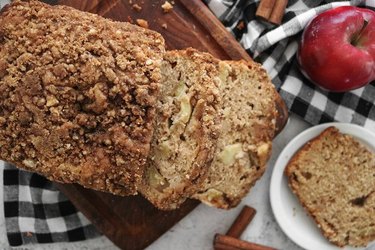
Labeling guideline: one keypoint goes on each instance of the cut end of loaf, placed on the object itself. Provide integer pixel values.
(186, 128)
(333, 176)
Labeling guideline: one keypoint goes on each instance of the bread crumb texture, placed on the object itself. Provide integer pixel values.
(77, 95)
(247, 128)
(333, 176)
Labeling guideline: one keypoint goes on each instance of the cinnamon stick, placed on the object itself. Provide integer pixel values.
(278, 12)
(224, 242)
(220, 246)
(265, 8)
(243, 219)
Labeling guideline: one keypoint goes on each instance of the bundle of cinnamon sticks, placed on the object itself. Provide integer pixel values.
(271, 11)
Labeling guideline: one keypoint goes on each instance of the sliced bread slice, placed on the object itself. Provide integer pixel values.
(333, 176)
(248, 115)
(186, 129)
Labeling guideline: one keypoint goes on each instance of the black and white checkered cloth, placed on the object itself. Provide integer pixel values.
(275, 48)
(36, 212)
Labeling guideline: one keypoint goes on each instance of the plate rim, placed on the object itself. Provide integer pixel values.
(291, 148)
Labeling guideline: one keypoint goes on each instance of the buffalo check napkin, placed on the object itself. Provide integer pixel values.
(36, 212)
(276, 47)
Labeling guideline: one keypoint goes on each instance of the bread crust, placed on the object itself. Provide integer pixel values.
(298, 177)
(78, 95)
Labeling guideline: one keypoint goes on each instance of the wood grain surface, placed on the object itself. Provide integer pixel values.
(132, 222)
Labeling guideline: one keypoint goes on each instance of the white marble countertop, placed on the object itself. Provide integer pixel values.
(196, 230)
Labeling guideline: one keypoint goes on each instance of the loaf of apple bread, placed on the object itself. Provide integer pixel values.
(80, 103)
(77, 95)
(247, 128)
(186, 129)
(333, 177)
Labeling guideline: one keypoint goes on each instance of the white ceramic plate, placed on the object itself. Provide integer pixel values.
(290, 215)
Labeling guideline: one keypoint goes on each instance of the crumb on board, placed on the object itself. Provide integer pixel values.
(167, 7)
(241, 25)
(130, 1)
(136, 7)
(143, 23)
(130, 19)
(164, 25)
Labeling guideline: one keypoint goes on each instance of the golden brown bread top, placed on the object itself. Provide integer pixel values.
(77, 95)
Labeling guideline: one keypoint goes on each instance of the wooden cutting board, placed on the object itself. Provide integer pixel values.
(132, 222)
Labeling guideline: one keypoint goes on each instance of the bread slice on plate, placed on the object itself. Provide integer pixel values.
(333, 177)
(186, 128)
(247, 128)
(77, 95)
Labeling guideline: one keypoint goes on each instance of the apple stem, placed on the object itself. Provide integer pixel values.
(357, 36)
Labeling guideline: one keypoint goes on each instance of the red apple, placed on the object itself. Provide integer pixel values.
(337, 50)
